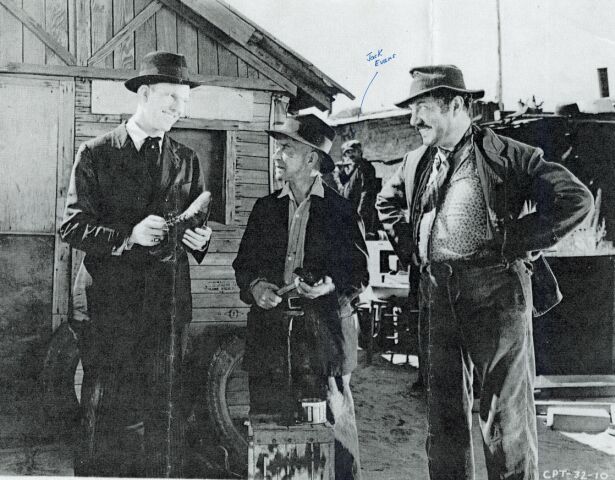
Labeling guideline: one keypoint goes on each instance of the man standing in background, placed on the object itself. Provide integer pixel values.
(357, 183)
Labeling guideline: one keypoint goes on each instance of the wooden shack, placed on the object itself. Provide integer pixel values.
(62, 67)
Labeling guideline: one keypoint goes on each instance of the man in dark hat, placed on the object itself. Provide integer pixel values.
(470, 235)
(357, 178)
(303, 225)
(123, 186)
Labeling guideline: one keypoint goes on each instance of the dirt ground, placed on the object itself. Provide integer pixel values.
(392, 431)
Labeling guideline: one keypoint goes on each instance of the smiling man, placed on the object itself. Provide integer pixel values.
(123, 186)
(471, 237)
(305, 225)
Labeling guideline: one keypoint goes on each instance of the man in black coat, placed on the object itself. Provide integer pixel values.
(305, 224)
(123, 186)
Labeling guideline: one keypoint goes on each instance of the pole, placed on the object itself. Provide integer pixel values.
(500, 95)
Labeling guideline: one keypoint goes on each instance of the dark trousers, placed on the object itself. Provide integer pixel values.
(130, 402)
(479, 318)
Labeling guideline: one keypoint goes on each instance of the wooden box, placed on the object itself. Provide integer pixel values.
(297, 452)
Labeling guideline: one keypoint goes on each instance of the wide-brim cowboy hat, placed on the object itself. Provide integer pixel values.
(161, 67)
(434, 77)
(307, 129)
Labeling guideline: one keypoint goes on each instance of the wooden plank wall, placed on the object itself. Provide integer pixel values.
(84, 26)
(215, 293)
(20, 45)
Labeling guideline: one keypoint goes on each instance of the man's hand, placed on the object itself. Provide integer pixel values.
(149, 231)
(197, 239)
(324, 286)
(265, 296)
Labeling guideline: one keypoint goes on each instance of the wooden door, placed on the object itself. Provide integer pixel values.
(36, 136)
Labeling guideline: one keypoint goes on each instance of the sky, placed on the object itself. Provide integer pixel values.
(550, 48)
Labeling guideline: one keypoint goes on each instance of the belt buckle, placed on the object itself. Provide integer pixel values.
(293, 303)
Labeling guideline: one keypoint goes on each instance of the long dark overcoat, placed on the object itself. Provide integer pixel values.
(109, 194)
(134, 305)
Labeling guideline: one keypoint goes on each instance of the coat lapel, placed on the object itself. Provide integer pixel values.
(491, 166)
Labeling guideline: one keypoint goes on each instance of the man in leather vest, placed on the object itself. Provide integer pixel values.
(479, 207)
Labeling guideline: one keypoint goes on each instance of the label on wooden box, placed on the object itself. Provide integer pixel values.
(297, 452)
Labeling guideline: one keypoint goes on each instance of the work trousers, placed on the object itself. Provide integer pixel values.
(479, 318)
(130, 402)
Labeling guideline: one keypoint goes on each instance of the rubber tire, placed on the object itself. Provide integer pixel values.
(229, 355)
(59, 402)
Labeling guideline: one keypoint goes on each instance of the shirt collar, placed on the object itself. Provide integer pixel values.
(316, 189)
(138, 135)
(467, 137)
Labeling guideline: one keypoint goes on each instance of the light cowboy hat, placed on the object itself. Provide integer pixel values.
(309, 130)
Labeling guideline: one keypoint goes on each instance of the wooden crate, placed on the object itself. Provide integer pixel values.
(297, 452)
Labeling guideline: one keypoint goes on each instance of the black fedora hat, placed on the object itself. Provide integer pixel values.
(307, 129)
(161, 67)
(433, 77)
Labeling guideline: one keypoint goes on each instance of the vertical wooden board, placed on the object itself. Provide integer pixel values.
(242, 68)
(187, 44)
(61, 264)
(208, 55)
(227, 62)
(166, 31)
(10, 37)
(56, 24)
(84, 38)
(33, 48)
(275, 100)
(124, 53)
(72, 27)
(27, 194)
(145, 35)
(229, 176)
(102, 28)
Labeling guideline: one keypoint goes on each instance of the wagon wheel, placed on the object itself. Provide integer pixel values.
(228, 399)
(61, 380)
